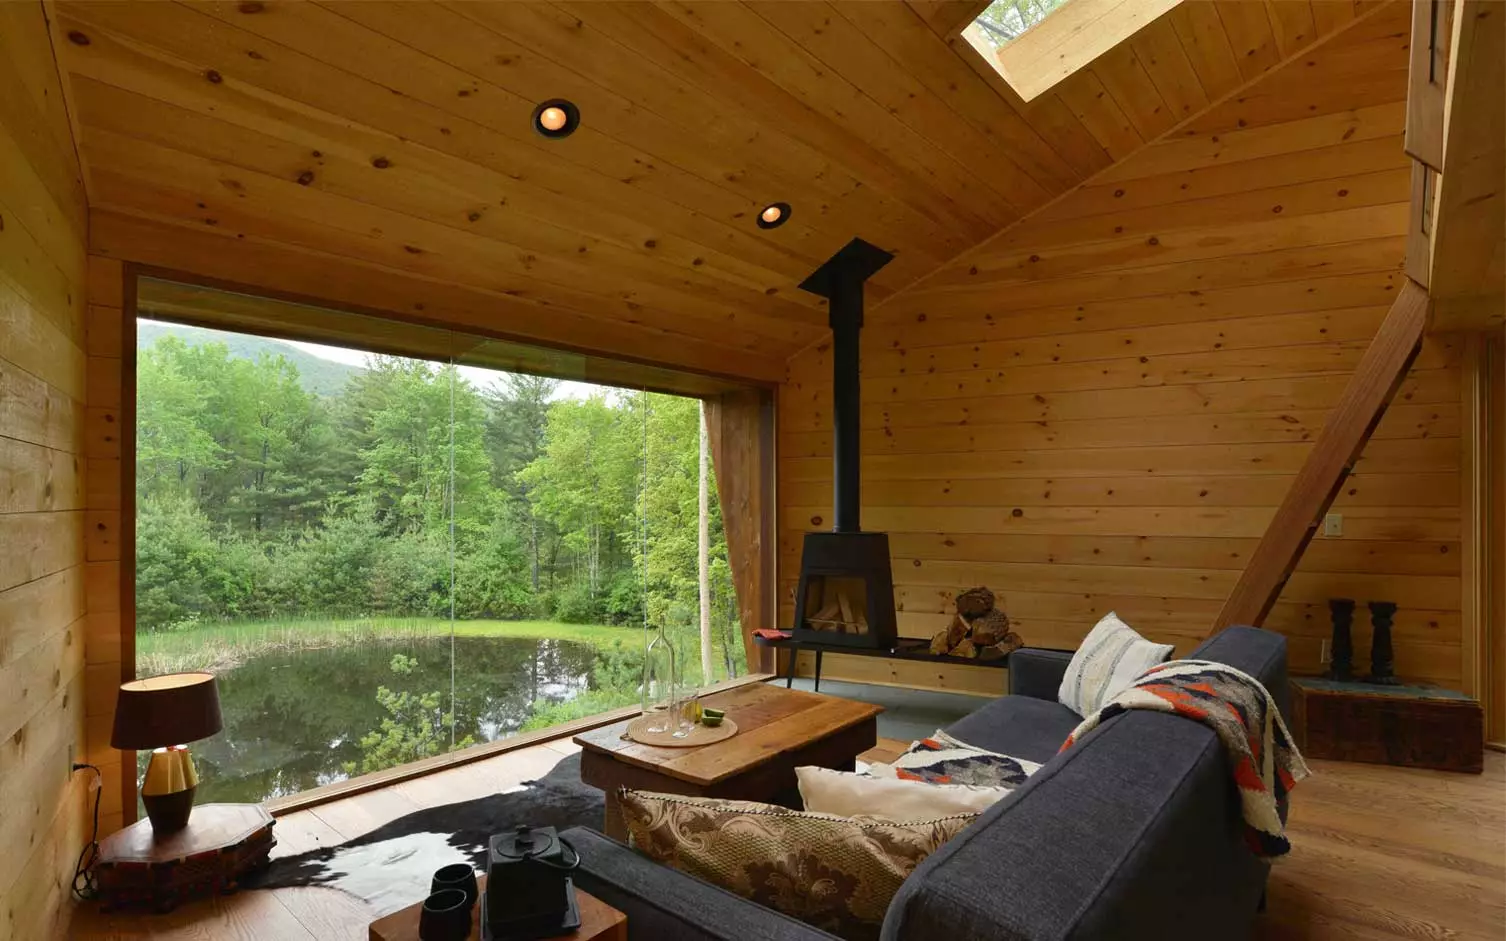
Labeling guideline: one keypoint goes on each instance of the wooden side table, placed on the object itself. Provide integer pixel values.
(221, 843)
(598, 921)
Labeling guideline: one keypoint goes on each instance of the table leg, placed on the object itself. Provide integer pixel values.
(612, 824)
(819, 652)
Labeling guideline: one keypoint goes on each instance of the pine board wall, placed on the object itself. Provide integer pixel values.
(1102, 407)
(43, 388)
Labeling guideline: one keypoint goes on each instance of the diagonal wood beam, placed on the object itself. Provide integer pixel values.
(1339, 444)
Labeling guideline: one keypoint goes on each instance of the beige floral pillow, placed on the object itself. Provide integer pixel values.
(836, 873)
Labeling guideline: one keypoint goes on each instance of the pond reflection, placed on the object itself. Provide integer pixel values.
(294, 719)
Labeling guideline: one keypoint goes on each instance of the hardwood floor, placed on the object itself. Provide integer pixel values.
(1378, 853)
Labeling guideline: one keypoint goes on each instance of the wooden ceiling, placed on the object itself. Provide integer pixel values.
(379, 155)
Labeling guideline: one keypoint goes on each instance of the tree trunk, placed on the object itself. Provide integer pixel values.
(533, 547)
(703, 556)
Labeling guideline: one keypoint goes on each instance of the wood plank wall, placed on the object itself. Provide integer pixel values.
(108, 533)
(42, 419)
(1101, 408)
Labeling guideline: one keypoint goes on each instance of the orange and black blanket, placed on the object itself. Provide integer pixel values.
(1240, 710)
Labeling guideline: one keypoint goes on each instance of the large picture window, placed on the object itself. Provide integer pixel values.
(387, 558)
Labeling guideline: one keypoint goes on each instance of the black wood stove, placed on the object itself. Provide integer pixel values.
(846, 591)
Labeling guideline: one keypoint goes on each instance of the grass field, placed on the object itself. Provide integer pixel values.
(220, 646)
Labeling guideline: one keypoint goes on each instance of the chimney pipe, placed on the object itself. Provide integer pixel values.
(840, 280)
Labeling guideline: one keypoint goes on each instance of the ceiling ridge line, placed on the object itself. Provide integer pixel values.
(1175, 129)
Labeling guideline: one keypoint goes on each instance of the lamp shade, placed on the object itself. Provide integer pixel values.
(160, 711)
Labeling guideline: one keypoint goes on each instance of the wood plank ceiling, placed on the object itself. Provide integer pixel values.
(291, 141)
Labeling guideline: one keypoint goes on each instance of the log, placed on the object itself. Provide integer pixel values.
(956, 631)
(975, 602)
(990, 628)
(1010, 643)
(939, 645)
(846, 606)
(966, 649)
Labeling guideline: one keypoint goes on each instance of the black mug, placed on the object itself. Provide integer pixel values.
(456, 876)
(445, 917)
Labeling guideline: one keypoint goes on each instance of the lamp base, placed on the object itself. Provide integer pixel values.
(169, 812)
(168, 789)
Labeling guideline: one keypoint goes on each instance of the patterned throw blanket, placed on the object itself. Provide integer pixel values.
(1240, 710)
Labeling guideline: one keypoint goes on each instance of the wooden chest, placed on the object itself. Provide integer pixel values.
(1413, 726)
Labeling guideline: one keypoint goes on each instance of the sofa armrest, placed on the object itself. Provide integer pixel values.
(1137, 820)
(1037, 672)
(1260, 653)
(664, 904)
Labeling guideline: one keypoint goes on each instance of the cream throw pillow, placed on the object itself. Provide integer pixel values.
(846, 794)
(1111, 658)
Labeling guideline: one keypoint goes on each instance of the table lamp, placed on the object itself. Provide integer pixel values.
(162, 714)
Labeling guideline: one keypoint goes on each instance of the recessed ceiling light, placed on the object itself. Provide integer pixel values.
(773, 215)
(556, 118)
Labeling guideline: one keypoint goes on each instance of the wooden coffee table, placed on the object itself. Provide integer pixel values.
(598, 921)
(777, 730)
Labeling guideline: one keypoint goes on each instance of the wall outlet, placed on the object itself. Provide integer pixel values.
(1333, 525)
(1325, 654)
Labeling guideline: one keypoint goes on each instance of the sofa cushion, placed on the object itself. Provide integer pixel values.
(666, 905)
(835, 873)
(1028, 728)
(845, 794)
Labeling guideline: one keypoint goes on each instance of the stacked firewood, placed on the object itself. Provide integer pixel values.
(978, 631)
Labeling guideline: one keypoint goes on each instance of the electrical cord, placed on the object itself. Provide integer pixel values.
(84, 886)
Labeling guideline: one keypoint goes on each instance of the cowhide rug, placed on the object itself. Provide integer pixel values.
(390, 867)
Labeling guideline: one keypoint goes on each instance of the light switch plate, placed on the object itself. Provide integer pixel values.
(1333, 525)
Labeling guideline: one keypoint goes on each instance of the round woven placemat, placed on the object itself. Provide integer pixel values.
(699, 734)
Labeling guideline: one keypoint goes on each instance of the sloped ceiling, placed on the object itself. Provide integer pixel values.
(379, 155)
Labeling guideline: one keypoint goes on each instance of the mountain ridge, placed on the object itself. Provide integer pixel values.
(320, 376)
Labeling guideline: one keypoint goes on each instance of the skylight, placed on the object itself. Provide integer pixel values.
(1035, 44)
(1003, 21)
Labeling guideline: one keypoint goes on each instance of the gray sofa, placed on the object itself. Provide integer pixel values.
(1134, 833)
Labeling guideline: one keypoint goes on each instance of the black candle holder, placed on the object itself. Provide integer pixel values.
(1382, 655)
(1341, 611)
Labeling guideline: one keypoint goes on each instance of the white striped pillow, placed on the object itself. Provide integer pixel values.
(1111, 657)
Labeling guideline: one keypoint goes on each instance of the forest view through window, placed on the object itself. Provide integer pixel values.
(385, 558)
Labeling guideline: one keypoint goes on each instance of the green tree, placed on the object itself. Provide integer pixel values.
(415, 726)
(584, 482)
(186, 567)
(173, 444)
(425, 457)
(515, 434)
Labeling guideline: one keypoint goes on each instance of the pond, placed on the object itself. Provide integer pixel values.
(294, 719)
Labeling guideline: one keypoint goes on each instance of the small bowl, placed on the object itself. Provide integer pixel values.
(711, 721)
(445, 917)
(456, 876)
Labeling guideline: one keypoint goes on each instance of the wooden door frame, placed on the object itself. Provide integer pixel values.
(1483, 536)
